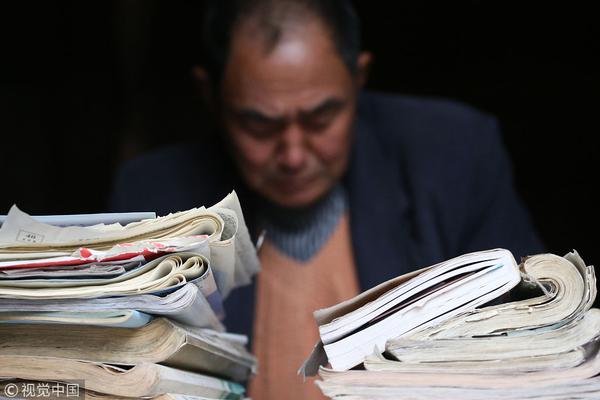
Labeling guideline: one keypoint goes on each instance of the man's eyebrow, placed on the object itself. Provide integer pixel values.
(326, 105)
(250, 113)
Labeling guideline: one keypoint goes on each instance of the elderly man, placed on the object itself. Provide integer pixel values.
(352, 187)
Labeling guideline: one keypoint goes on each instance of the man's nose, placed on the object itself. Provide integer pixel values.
(292, 152)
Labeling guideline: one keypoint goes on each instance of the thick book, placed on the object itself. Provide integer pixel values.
(519, 352)
(160, 341)
(27, 390)
(354, 329)
(589, 368)
(547, 388)
(141, 380)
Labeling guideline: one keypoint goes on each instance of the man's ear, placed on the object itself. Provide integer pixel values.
(363, 65)
(204, 84)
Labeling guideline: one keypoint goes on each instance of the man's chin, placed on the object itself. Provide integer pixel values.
(296, 199)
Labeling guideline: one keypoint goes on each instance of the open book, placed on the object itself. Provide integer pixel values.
(558, 289)
(552, 327)
(352, 330)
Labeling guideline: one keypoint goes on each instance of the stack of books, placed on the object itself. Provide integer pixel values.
(110, 310)
(432, 334)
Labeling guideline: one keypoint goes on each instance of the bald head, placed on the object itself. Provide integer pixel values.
(269, 20)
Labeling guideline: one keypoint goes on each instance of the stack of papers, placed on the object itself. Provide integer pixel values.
(129, 310)
(542, 345)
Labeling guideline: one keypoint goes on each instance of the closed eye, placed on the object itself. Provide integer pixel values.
(257, 124)
(319, 118)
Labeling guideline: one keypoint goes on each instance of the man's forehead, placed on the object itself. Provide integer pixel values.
(308, 109)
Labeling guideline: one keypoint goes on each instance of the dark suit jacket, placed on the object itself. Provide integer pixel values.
(428, 180)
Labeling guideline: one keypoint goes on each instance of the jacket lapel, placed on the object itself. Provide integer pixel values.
(378, 204)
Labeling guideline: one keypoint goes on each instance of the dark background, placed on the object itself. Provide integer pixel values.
(86, 85)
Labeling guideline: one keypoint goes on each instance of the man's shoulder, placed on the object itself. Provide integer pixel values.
(178, 156)
(165, 166)
(420, 105)
(413, 117)
(420, 128)
(440, 146)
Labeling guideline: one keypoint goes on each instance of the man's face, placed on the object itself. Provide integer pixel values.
(289, 113)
